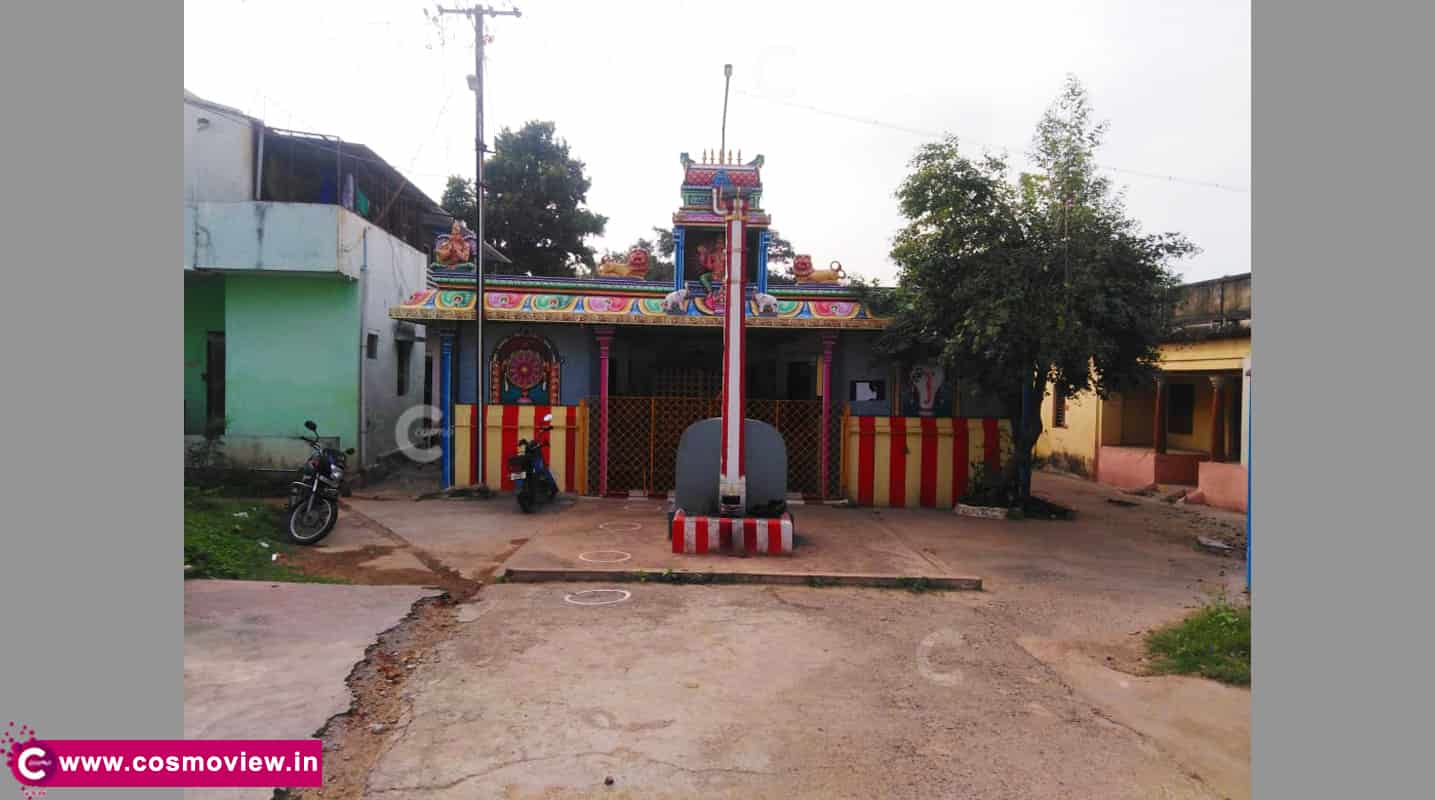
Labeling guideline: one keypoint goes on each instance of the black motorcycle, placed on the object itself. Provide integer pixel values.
(314, 498)
(530, 475)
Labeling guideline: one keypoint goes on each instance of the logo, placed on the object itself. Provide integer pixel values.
(30, 760)
(414, 436)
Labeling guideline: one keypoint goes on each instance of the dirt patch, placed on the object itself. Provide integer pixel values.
(348, 566)
(382, 698)
(1123, 655)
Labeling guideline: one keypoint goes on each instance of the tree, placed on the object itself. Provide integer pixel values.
(534, 211)
(779, 251)
(1014, 286)
(458, 200)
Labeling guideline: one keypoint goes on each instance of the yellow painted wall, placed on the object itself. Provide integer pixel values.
(1076, 441)
(496, 461)
(1138, 418)
(1209, 355)
(1128, 418)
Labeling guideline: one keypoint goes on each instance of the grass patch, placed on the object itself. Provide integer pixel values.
(236, 539)
(1214, 642)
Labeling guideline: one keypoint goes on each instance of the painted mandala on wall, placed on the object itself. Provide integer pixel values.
(524, 369)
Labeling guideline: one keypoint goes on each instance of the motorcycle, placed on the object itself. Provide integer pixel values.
(530, 474)
(314, 498)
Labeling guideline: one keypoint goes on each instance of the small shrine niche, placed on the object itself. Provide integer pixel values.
(524, 369)
(702, 243)
(456, 249)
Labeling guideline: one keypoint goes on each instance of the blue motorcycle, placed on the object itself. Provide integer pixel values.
(532, 482)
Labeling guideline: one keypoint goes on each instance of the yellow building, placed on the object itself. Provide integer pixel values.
(1187, 427)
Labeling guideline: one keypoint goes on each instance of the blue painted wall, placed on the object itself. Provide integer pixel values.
(577, 351)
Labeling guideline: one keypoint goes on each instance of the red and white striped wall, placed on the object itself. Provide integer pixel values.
(703, 534)
(565, 455)
(919, 462)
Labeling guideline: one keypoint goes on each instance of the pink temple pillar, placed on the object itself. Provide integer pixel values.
(828, 340)
(732, 485)
(605, 342)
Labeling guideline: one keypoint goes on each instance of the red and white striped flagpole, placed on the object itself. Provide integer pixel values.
(732, 487)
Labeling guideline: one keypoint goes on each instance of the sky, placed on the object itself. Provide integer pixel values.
(837, 102)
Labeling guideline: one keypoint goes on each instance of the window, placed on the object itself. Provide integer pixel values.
(371, 346)
(1181, 407)
(861, 391)
(1058, 407)
(405, 352)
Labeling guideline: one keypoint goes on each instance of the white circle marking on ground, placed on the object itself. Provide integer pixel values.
(574, 598)
(924, 657)
(592, 556)
(625, 526)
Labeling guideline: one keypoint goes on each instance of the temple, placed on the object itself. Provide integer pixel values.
(626, 364)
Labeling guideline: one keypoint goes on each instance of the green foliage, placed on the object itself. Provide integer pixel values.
(235, 539)
(534, 211)
(458, 201)
(1214, 642)
(1012, 285)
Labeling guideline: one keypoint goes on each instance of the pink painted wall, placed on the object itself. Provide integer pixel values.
(1178, 467)
(1224, 485)
(1139, 467)
(1127, 467)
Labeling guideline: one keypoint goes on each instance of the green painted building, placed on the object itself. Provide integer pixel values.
(295, 247)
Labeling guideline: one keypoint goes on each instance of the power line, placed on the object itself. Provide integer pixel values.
(936, 135)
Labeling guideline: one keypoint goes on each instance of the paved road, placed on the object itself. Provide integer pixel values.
(744, 691)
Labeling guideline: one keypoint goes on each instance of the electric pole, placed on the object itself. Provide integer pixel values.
(727, 82)
(477, 13)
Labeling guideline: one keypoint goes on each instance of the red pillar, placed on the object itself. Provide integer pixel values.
(1160, 421)
(605, 341)
(1218, 418)
(828, 340)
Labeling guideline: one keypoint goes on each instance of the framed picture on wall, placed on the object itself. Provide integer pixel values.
(864, 391)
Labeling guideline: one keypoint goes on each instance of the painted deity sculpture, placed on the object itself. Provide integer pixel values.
(636, 266)
(713, 263)
(803, 271)
(927, 380)
(455, 247)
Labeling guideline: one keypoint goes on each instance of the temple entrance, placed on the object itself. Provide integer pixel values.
(663, 381)
(643, 435)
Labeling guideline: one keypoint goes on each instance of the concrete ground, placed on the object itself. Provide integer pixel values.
(269, 660)
(1022, 690)
(743, 691)
(628, 535)
(1025, 689)
(472, 537)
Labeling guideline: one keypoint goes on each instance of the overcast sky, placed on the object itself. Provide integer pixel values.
(631, 85)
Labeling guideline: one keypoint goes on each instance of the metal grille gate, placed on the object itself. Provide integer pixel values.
(643, 435)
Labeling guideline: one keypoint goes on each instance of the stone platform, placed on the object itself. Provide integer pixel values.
(699, 534)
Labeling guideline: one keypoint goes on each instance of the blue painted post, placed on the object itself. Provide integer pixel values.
(679, 235)
(762, 261)
(446, 402)
(1250, 455)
